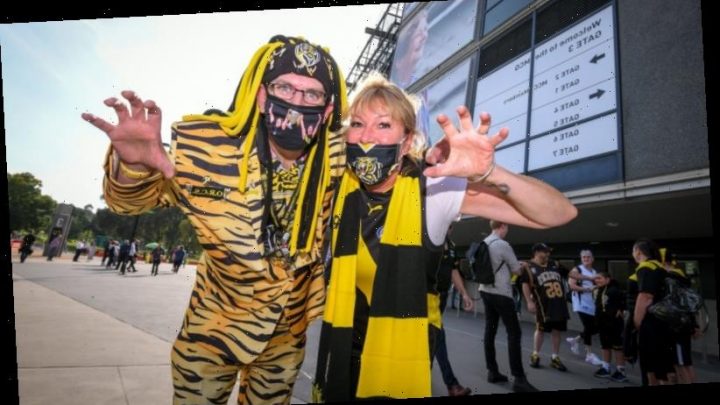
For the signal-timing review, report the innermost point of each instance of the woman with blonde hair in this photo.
(390, 217)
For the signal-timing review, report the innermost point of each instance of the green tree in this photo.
(29, 209)
(167, 226)
(82, 226)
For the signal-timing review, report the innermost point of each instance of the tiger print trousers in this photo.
(201, 376)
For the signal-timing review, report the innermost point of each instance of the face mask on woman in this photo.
(373, 163)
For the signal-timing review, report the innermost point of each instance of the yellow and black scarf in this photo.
(403, 303)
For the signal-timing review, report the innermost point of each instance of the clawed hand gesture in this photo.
(468, 152)
(136, 138)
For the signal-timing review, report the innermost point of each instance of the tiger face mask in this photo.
(373, 163)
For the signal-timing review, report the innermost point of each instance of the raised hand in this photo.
(136, 138)
(469, 152)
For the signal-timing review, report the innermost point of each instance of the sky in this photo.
(54, 71)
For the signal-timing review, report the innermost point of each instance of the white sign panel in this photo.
(581, 141)
(504, 95)
(577, 39)
(578, 88)
(512, 158)
(585, 103)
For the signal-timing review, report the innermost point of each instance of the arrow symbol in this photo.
(596, 58)
(597, 94)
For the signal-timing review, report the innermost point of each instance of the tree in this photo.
(29, 209)
(82, 226)
(167, 226)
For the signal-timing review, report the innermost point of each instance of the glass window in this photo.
(431, 36)
(505, 48)
(443, 96)
(408, 8)
(500, 11)
(559, 15)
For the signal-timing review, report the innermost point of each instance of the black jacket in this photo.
(609, 300)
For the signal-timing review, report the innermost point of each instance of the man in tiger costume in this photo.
(256, 184)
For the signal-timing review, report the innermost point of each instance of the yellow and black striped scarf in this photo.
(396, 355)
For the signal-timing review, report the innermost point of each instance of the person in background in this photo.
(157, 255)
(178, 257)
(447, 273)
(499, 304)
(91, 248)
(609, 318)
(79, 249)
(545, 297)
(654, 336)
(55, 246)
(581, 287)
(26, 248)
(682, 339)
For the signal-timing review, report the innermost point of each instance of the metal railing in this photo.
(378, 51)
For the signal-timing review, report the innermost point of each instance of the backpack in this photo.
(682, 308)
(480, 268)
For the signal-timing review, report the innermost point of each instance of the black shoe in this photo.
(602, 373)
(521, 384)
(458, 390)
(534, 360)
(495, 377)
(557, 364)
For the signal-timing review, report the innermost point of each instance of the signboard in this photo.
(504, 94)
(574, 75)
(590, 138)
(570, 104)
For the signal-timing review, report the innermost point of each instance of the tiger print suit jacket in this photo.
(237, 298)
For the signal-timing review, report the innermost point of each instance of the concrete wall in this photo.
(662, 78)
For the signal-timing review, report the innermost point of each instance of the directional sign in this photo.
(578, 142)
(577, 88)
(504, 94)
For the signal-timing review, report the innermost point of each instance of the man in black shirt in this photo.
(543, 290)
(654, 343)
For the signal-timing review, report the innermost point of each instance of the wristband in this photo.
(481, 179)
(133, 174)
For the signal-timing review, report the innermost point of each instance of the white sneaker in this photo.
(574, 345)
(571, 340)
(593, 359)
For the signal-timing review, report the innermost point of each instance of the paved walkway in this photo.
(70, 353)
(88, 336)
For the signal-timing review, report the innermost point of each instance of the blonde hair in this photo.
(402, 107)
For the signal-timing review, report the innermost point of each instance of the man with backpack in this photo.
(498, 300)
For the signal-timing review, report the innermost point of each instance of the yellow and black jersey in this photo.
(234, 283)
(548, 290)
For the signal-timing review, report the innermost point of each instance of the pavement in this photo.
(86, 335)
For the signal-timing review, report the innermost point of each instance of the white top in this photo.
(443, 201)
(583, 301)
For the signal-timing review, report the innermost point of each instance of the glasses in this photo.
(287, 91)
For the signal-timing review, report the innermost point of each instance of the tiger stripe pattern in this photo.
(239, 303)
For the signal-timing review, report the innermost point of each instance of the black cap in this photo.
(299, 56)
(541, 247)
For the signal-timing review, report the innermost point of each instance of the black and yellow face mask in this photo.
(373, 163)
